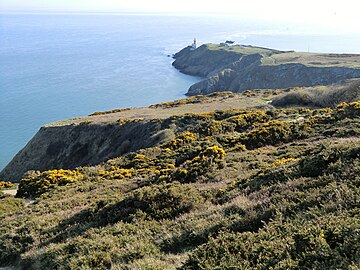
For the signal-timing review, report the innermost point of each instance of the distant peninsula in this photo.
(238, 68)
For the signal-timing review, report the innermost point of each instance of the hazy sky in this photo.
(344, 12)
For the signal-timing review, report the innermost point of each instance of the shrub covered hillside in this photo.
(235, 189)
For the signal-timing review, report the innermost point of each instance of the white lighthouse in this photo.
(193, 46)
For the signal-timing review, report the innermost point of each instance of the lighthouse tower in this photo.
(193, 46)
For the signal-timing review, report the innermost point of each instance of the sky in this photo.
(333, 12)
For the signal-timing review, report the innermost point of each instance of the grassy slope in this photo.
(284, 196)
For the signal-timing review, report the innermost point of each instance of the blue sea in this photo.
(58, 66)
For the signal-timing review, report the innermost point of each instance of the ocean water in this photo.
(58, 66)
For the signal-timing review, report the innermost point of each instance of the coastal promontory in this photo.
(242, 67)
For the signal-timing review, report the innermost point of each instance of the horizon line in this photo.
(50, 11)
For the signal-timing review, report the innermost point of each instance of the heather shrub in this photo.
(163, 201)
(166, 200)
(314, 244)
(327, 159)
(9, 204)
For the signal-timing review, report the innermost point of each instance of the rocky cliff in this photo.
(70, 146)
(246, 67)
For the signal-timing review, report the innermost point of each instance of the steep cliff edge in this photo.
(240, 68)
(71, 146)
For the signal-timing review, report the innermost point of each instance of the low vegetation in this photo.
(320, 96)
(231, 189)
(9, 205)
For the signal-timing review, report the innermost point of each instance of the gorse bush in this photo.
(347, 110)
(36, 183)
(181, 140)
(275, 132)
(115, 173)
(209, 159)
(6, 185)
(111, 111)
(183, 158)
(123, 121)
(248, 119)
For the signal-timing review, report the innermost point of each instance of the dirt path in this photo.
(11, 192)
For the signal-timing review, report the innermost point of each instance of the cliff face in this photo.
(224, 79)
(272, 77)
(204, 61)
(71, 146)
(248, 67)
